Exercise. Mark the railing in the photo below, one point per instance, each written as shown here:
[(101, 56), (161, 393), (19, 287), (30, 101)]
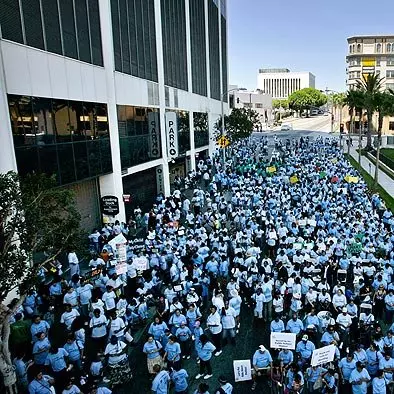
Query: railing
[(384, 159), (135, 150)]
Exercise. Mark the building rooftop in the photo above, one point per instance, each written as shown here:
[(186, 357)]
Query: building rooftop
[(371, 36), (273, 70)]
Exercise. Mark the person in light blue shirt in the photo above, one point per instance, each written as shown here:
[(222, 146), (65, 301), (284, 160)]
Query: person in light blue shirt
[(74, 349), (389, 306), (294, 325), (360, 354), (179, 378), (305, 349), (277, 325), (205, 350), (373, 358), (172, 351), (161, 381), (312, 374), (157, 328), (387, 365), (379, 383), (286, 357), (41, 349), (56, 359), (41, 384), (37, 326), (346, 366), (261, 358), (359, 379), (312, 319), (329, 382)]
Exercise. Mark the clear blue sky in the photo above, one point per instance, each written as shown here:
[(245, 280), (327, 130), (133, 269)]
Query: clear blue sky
[(301, 35)]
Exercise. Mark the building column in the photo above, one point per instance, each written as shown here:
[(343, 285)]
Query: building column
[(8, 160), (111, 184), (190, 84), (162, 99)]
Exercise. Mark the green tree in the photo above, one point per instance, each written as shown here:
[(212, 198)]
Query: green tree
[(370, 85), (306, 98), (38, 222), (280, 104), (239, 124), (384, 103)]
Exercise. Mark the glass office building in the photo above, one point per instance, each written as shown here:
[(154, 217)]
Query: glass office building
[(87, 88)]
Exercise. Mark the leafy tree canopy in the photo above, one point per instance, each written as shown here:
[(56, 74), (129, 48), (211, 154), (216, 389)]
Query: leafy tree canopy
[(280, 103), (239, 124), (38, 221), (306, 98)]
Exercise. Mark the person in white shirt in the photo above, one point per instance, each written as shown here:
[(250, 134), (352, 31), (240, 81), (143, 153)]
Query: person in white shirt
[(117, 326), (278, 303), (258, 299), (109, 299), (228, 316), (215, 326), (98, 324), (68, 316), (339, 300), (118, 371), (344, 320)]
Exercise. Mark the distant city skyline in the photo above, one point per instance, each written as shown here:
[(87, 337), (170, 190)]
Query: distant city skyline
[(300, 37)]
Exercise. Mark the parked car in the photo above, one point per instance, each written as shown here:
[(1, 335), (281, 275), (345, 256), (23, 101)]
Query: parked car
[(286, 127), (314, 112)]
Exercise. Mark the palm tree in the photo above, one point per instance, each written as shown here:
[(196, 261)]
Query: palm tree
[(384, 102), (370, 85), (354, 100)]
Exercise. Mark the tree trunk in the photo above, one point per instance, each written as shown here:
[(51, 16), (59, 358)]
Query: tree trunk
[(6, 367), (349, 133), (376, 178), (369, 131)]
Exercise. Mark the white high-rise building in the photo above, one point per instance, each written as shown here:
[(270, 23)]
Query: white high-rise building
[(113, 97), (280, 83)]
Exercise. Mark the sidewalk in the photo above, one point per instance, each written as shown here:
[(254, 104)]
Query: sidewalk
[(384, 180)]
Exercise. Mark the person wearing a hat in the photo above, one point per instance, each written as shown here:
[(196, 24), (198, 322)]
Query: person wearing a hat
[(261, 364), (225, 386), (184, 336), (359, 378), (305, 349)]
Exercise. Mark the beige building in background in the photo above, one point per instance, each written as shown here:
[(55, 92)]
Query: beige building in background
[(371, 54)]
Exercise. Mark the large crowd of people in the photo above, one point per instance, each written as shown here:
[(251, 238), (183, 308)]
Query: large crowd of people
[(295, 239)]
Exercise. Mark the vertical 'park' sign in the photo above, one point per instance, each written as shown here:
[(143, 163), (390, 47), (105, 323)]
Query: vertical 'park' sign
[(172, 134)]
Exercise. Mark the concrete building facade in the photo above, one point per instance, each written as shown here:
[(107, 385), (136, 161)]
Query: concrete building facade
[(281, 83), (254, 99), (113, 97), (371, 54)]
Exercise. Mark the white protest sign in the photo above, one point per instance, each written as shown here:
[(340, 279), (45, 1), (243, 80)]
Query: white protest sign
[(121, 268), (283, 340), (302, 222), (323, 355), (140, 263), (242, 370)]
